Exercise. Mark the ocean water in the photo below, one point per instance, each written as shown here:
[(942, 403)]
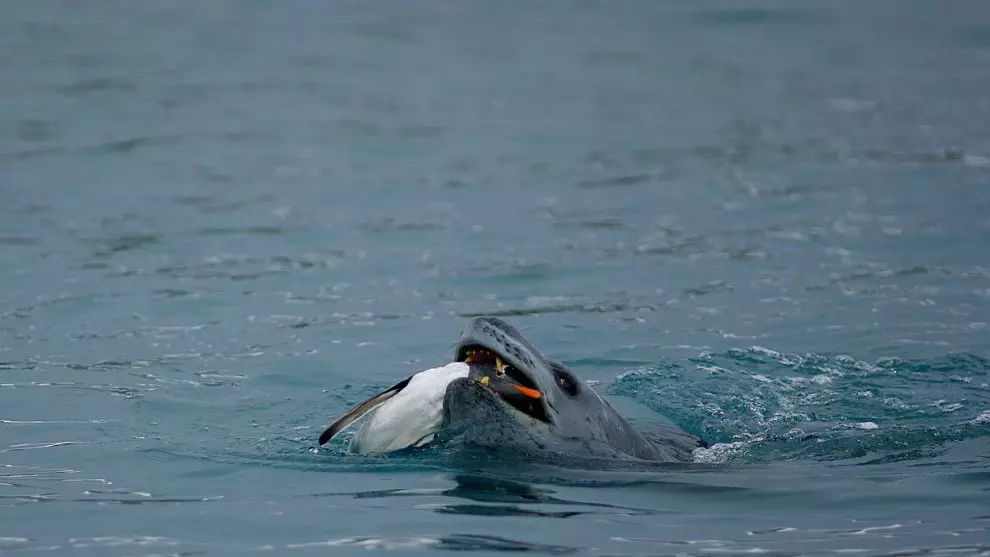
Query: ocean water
[(223, 223)]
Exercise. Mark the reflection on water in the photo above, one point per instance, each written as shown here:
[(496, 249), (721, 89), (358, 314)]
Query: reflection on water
[(503, 498)]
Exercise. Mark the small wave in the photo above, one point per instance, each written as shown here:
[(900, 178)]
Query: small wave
[(761, 404)]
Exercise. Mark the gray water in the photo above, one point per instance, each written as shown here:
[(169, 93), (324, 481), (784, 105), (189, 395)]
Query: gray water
[(222, 223)]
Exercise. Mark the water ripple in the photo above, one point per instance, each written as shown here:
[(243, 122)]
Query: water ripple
[(817, 406)]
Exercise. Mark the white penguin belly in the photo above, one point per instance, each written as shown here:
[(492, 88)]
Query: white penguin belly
[(412, 416)]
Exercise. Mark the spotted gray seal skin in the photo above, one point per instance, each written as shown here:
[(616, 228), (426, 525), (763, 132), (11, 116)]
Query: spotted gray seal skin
[(568, 417), (501, 393)]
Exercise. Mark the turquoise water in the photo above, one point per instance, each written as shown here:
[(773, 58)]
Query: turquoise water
[(223, 223)]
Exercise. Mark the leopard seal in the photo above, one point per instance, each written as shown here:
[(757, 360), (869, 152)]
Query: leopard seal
[(502, 392)]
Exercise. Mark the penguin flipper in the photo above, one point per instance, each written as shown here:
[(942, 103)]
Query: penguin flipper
[(352, 415)]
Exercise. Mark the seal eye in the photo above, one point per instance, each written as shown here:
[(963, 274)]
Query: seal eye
[(565, 380)]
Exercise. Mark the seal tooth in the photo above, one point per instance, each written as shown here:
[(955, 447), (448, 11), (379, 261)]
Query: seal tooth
[(499, 367)]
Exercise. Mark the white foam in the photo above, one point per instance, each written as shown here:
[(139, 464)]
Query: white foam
[(718, 453), (983, 418)]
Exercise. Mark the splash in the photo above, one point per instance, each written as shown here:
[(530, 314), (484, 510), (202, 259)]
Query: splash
[(758, 404)]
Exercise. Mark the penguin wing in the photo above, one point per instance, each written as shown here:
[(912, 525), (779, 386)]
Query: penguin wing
[(349, 417)]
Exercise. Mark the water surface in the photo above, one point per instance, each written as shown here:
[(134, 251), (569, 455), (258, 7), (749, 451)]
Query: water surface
[(223, 223)]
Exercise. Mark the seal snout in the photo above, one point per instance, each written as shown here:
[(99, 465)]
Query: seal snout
[(490, 369)]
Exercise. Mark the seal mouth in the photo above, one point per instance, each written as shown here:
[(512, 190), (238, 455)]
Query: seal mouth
[(511, 384)]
